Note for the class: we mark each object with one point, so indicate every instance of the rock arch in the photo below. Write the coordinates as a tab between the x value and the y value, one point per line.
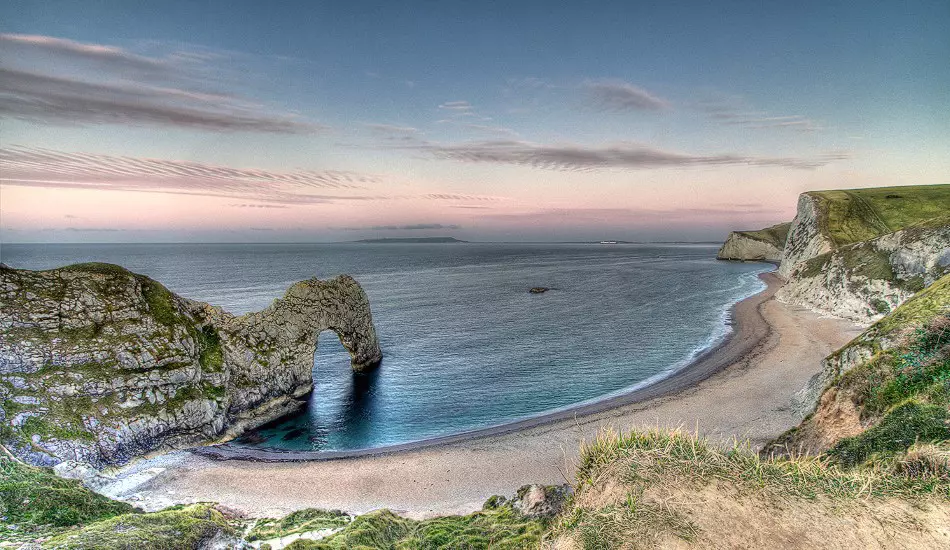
103	365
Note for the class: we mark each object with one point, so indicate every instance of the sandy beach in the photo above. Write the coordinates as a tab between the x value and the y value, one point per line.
742	389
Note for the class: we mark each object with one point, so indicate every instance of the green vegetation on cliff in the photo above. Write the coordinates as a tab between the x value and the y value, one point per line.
898	397
854	215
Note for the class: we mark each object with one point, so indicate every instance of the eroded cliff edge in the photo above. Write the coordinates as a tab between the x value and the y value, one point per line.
101	365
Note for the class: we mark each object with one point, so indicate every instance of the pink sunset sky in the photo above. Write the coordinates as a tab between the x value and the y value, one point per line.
454	124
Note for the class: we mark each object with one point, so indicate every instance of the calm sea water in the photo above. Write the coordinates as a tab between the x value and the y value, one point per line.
465	346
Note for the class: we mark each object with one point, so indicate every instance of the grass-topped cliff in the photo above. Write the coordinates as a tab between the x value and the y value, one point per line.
760	245
854	215
859	253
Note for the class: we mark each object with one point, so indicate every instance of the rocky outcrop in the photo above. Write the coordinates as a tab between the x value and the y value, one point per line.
99	365
866	280
755	246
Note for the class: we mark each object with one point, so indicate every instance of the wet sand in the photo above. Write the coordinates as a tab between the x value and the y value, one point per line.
742	389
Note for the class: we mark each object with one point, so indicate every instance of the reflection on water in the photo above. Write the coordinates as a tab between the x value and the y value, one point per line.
342	405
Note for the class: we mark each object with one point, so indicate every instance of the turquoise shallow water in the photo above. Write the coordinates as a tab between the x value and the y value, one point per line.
465	346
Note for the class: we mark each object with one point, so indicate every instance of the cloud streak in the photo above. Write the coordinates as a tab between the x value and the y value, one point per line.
68	82
571	157
617	95
34	167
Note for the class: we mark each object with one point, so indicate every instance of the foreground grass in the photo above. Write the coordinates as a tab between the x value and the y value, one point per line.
35	502
659	488
177	528
301	521
493	528
676	455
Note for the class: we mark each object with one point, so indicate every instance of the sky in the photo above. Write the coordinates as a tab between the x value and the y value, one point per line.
491	121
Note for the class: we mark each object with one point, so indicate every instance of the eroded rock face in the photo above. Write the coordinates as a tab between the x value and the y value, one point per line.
806	239
100	365
865	281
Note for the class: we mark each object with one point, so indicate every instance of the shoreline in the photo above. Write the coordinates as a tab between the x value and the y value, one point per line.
748	330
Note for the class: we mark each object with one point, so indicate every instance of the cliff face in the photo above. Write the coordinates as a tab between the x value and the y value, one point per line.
866	280
805	237
100	365
750	246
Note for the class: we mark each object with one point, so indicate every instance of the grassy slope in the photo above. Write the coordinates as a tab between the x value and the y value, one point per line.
898	397
854	215
37	502
774	235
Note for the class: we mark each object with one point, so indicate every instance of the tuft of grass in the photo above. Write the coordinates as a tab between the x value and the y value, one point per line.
36	501
310	519
178	528
924	460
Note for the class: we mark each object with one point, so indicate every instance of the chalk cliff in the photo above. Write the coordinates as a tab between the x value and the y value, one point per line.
857	253
100	365
750	246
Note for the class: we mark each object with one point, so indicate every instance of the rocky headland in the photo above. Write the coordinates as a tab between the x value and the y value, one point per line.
857	253
764	245
99	365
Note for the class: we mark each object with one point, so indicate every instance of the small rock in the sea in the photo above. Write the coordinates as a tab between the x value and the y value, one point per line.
539	290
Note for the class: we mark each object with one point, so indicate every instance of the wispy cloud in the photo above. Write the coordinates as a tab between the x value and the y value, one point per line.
59	81
109	57
570	157
617	95
456	106
392	129
732	112
246	205
33	167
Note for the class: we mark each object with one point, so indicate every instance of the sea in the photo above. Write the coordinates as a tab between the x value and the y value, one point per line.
465	345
